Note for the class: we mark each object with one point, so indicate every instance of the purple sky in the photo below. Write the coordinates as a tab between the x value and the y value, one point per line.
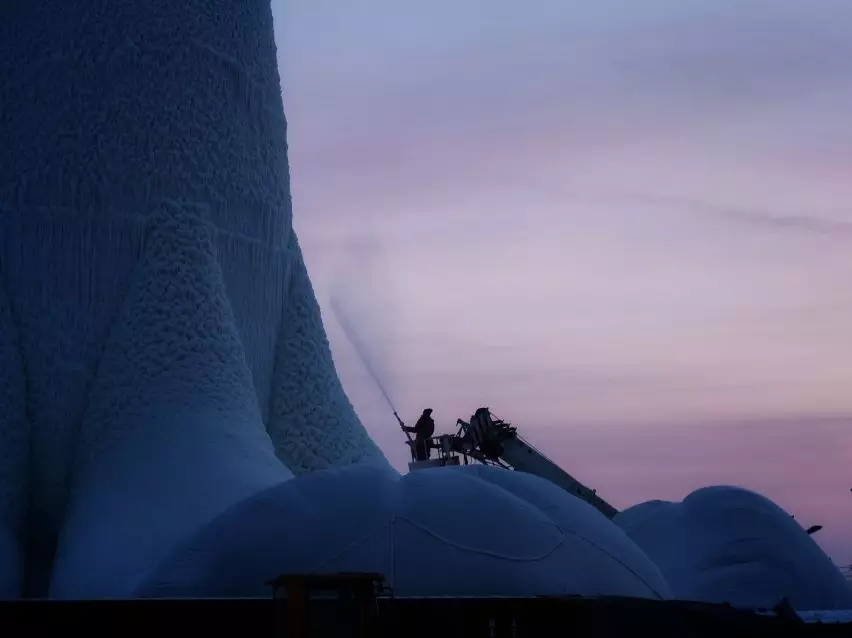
625	227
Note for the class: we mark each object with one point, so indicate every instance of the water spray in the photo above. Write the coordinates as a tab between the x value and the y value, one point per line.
353	339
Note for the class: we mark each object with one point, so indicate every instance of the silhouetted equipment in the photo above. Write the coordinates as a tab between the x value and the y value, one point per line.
401	424
359	590
492	441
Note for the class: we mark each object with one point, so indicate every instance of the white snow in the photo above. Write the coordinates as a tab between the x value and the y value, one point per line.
13	455
472	531
173	434
728	544
164	367
311	421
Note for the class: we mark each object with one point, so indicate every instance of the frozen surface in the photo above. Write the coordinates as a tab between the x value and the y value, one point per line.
460	531
827	617
164	368
318	428
13	455
108	109
173	435
727	544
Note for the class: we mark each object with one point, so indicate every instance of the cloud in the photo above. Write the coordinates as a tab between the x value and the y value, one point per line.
801	223
737	56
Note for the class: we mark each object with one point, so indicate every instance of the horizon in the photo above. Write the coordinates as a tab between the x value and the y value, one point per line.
625	229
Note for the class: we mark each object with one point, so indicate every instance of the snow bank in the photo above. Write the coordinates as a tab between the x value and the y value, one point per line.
727	544
311	421
13	455
173	435
457	532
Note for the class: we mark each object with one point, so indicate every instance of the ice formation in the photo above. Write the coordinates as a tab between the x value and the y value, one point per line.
172	435
727	544
109	110
164	371
316	429
13	454
464	531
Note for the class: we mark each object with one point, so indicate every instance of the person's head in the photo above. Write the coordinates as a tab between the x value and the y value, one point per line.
427	412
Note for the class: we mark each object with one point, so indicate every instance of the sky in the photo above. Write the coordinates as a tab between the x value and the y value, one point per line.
623	226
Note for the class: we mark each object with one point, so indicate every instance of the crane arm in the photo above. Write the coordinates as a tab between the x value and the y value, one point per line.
496	440
525	458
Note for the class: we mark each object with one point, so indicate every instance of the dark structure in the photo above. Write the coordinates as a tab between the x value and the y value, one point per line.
355	593
404	617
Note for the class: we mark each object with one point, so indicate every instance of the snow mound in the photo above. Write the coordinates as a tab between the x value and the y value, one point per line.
13	454
311	421
727	544
172	434
437	532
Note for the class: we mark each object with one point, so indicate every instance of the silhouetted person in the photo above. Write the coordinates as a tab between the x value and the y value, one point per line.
423	431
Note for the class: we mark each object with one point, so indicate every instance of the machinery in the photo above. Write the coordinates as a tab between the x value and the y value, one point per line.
492	441
484	439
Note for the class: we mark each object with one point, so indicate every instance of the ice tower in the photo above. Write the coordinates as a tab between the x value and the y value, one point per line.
160	335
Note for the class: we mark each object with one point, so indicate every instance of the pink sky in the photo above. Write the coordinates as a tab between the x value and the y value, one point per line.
625	227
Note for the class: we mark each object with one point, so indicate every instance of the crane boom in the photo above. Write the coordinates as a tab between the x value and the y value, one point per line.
496	442
523	457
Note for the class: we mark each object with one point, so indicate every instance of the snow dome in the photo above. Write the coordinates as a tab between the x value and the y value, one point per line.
460	532
727	544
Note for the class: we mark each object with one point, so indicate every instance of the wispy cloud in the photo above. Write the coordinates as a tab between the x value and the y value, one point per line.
804	223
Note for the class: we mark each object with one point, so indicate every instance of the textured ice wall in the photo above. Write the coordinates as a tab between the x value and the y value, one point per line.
172	434
108	108
727	544
13	454
464	531
311	421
